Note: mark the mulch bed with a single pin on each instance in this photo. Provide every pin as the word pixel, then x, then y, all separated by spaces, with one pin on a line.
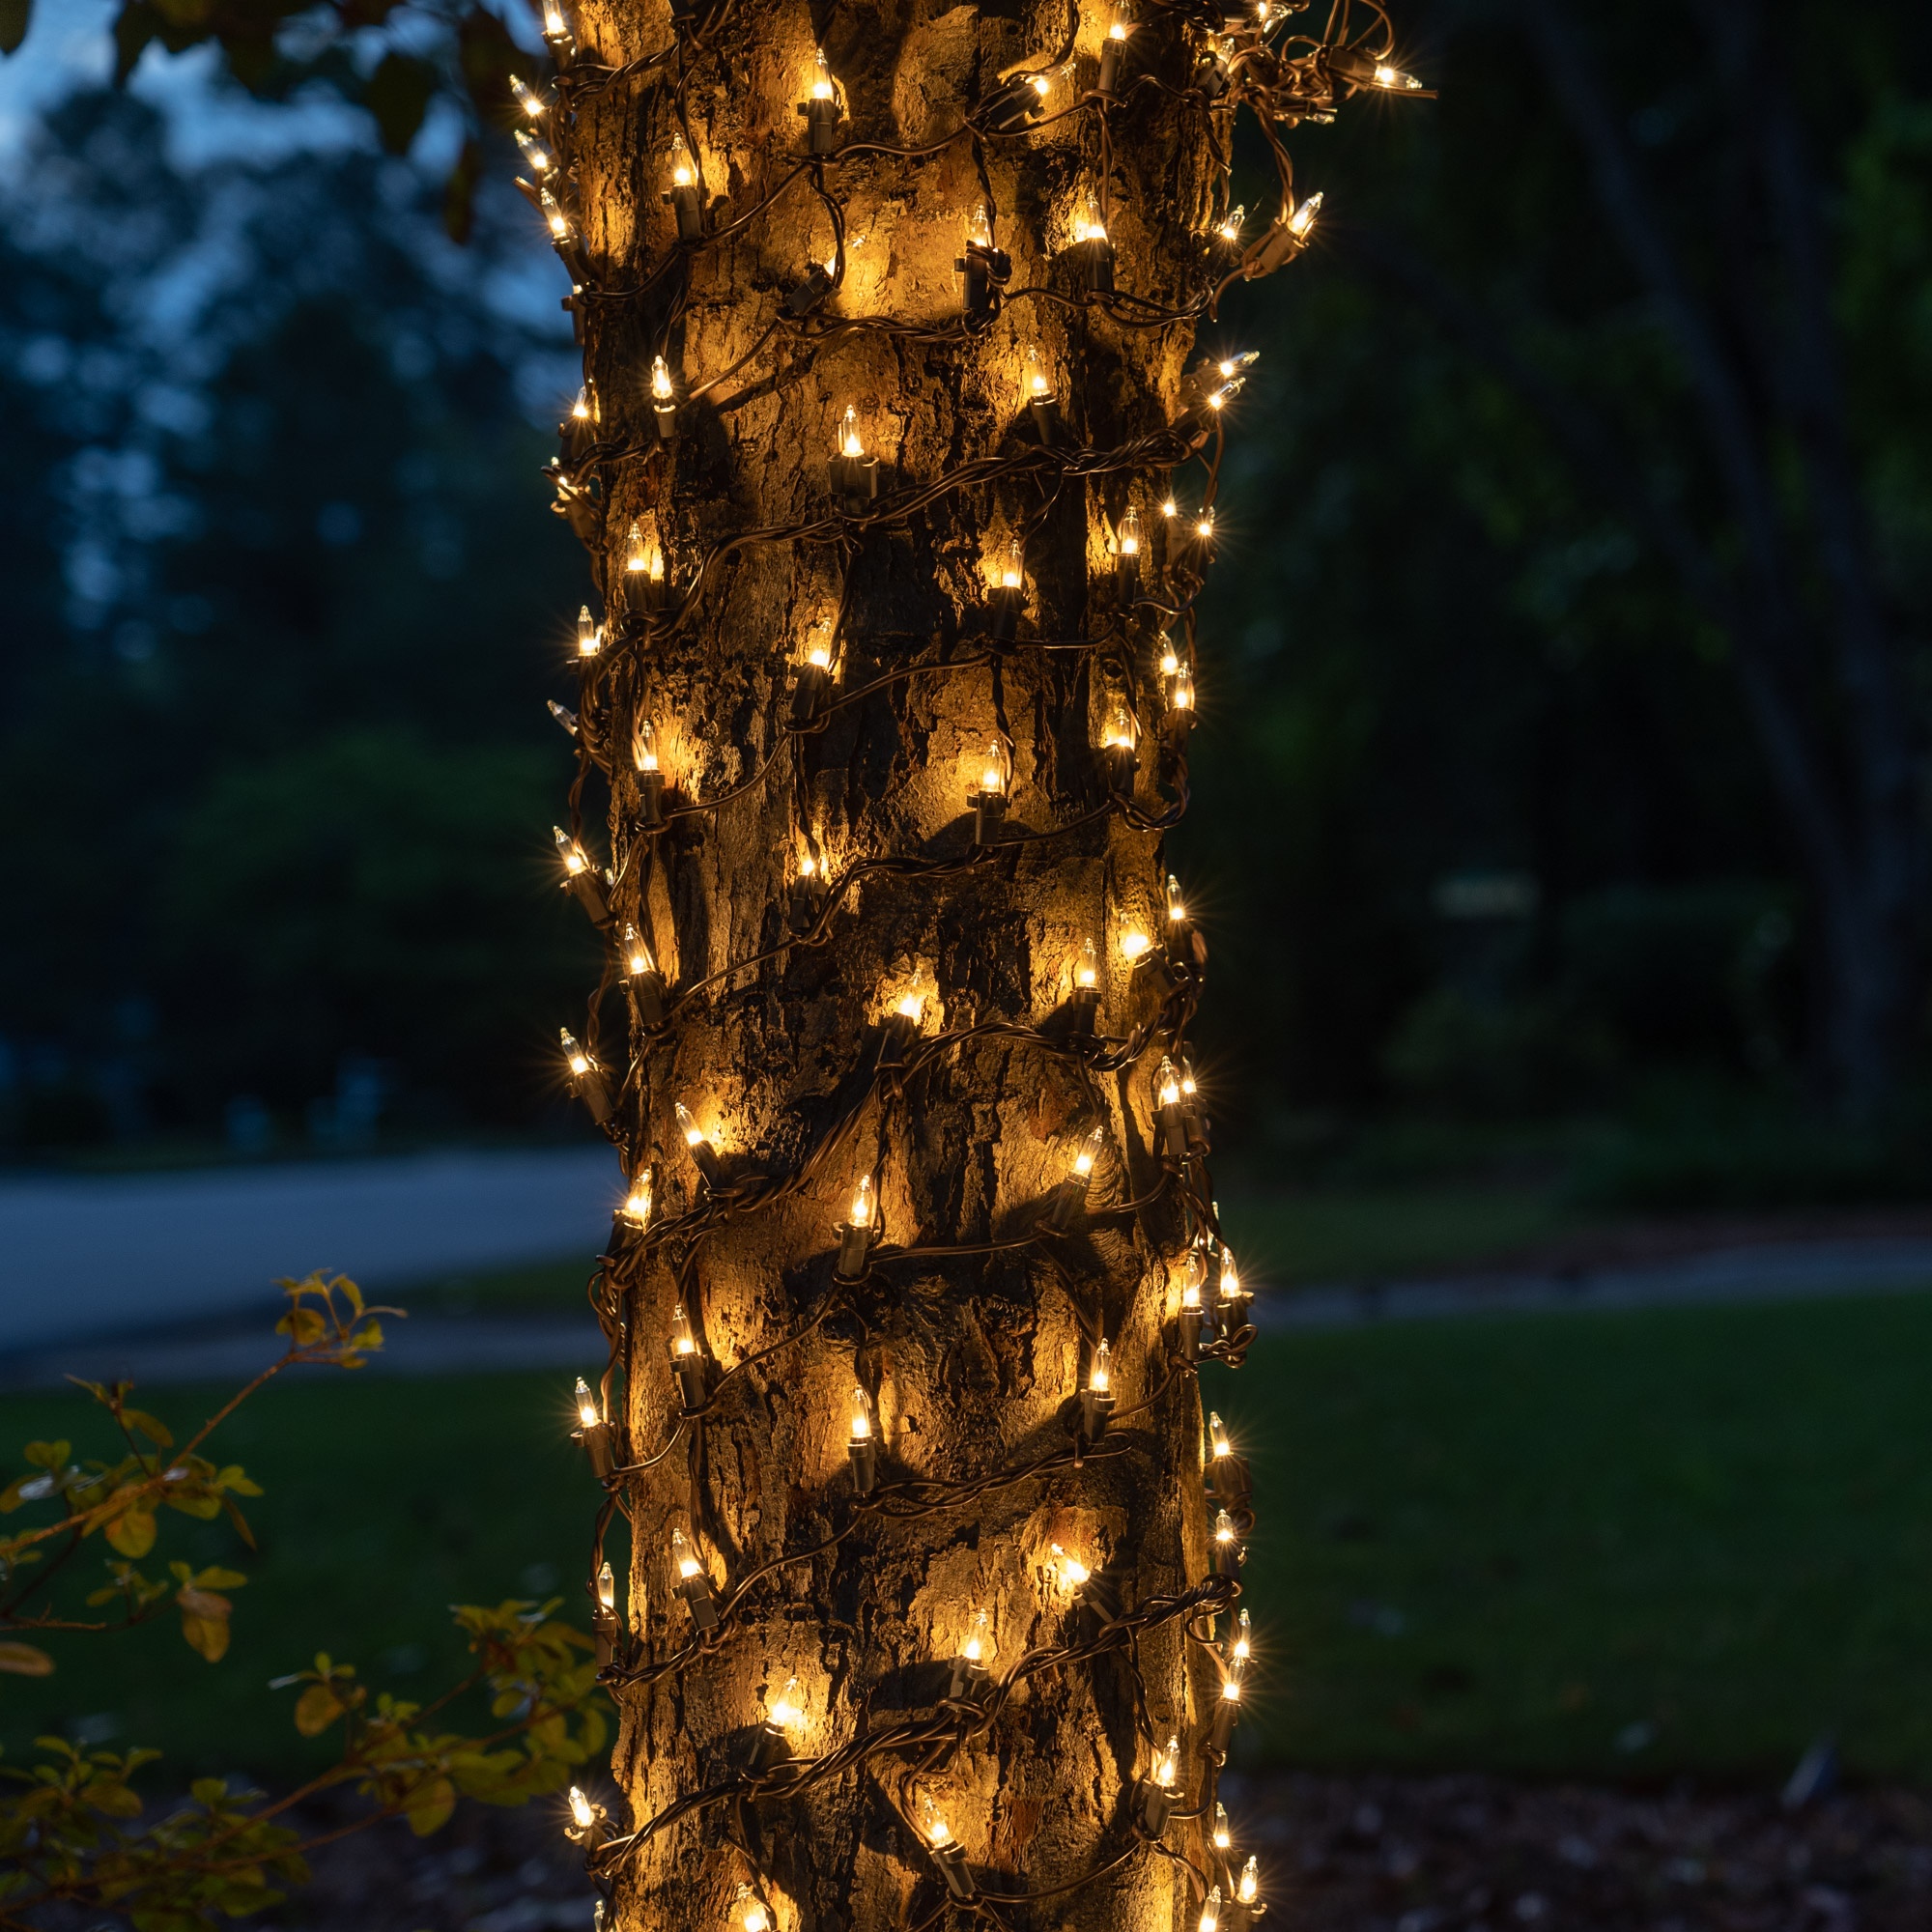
pixel 1368 1854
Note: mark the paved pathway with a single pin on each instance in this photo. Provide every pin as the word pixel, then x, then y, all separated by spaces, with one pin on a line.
pixel 101 1255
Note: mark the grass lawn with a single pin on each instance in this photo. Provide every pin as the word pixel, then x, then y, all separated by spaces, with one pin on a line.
pixel 1499 1543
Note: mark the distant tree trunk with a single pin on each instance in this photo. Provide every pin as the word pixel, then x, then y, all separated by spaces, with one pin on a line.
pixel 783 977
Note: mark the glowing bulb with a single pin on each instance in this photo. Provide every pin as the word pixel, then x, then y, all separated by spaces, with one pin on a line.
pixel 1176 907
pixel 1041 84
pixel 607 1588
pixel 645 745
pixel 1169 662
pixel 1181 696
pixel 1188 1089
pixel 589 640
pixel 587 1405
pixel 1167 1766
pixel 1217 1437
pixel 1302 221
pixel 693 1133
pixel 572 855
pixel 1073 1572
pixel 1086 971
pixel 1204 526
pixel 681 173
pixel 808 865
pixel 1120 731
pixel 1251 1882
pixel 559 222
pixel 636 1208
pixel 1243 1647
pixel 979 229
pixel 580 1813
pixel 1223 1836
pixel 1394 77
pixel 637 953
pixel 756 1917
pixel 1170 508
pixel 579 409
pixel 1168 1084
pixel 1130 535
pixel 849 443
pixel 938 1832
pixel 683 1555
pixel 1230 1276
pixel 1230 227
pixel 1037 388
pixel 1210 1912
pixel 1100 1378
pixel 978 1644
pixel 1087 225
pixel 635 556
pixel 529 101
pixel 993 778
pixel 661 385
pixel 787 1708
pixel 1224 1534
pixel 578 1062
pixel 821 81
pixel 1090 1152
pixel 862 1202
pixel 554 27
pixel 682 1340
pixel 1134 945
pixel 1011 573
pixel 861 1416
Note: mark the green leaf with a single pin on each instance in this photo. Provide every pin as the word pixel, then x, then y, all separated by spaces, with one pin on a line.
pixel 23 1659
pixel 398 95
pixel 15 14
pixel 431 1806
pixel 48 1455
pixel 156 1430
pixel 133 1531
pixel 316 1709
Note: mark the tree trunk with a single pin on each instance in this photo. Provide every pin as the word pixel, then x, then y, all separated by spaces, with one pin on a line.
pixel 819 863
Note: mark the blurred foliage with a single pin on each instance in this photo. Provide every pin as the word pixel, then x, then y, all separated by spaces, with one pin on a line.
pixel 73 1831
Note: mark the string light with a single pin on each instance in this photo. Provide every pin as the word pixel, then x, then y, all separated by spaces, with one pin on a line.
pixel 1239 1648
pixel 855 475
pixel 647 985
pixel 856 1234
pixel 1227 1707
pixel 899 1028
pixel 1301 223
pixel 1127 556
pixel 1210 1912
pixel 693 1584
pixel 644 571
pixel 783 1715
pixel 1228 1550
pixel 682 194
pixel 704 1155
pixel 1006 599
pixel 663 399
pixel 1153 1798
pixel 606 1626
pixel 686 1362
pixel 580 876
pixel 1016 103
pixel 650 776
pixel 594 1432
pixel 636 1208
pixel 529 102
pixel 1042 400
pixel 587 1823
pixel 1083 1004
pixel 1073 1574
pixel 755 1914
pixel 1071 1204
pixel 587 1079
pixel 1093 250
pixel 590 637
pixel 1234 1296
pixel 1193 1278
pixel 1112 50
pixel 972 1666
pixel 984 269
pixel 988 799
pixel 1117 754
pixel 862 1448
pixel 822 110
pixel 812 682
pixel 1097 1398
pixel 947 1854
pixel 565 717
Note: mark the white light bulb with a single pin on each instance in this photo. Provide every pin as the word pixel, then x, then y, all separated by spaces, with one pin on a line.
pixel 862 1202
pixel 821 79
pixel 1087 969
pixel 662 390
pixel 580 1812
pixel 587 1405
pixel 850 445
pixel 682 1554
pixel 1302 221
pixel 1101 1377
pixel 1134 945
pixel 861 1416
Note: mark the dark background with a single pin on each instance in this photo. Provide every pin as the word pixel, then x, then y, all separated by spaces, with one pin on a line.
pixel 1483 836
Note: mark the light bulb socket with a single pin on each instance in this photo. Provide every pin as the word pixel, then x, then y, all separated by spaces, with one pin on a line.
pixel 1153 1806
pixel 855 482
pixel 1083 1005
pixel 810 292
pixel 855 1251
pixel 1189 1325
pixel 650 800
pixel 1095 1407
pixel 704 1158
pixel 1118 762
pixel 1093 261
pixel 1279 245
pixel 896 1033
pixel 810 692
pixel 951 1859
pixel 1194 1123
pixel 591 1087
pixel 1230 1312
pixel 984 270
pixel 1221 1732
pixel 970 1679
pixel 1173 1127
pixel 769 1747
pixel 644 593
pixel 700 1599
pixel 1005 604
pixel 1070 1204
pixel 821 125
pixel 1108 80
pixel 589 892
pixel 989 817
pixel 691 1380
pixel 1210 79
pixel 577 437
pixel 1230 1483
pixel 864 1460
pixel 1046 423
pixel 1127 575
pixel 647 995
pixel 1012 107
pixel 600 1446
pixel 690 211
pixel 608 1633
pixel 1227 1562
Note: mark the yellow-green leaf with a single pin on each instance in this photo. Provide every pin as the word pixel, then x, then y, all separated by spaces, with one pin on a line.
pixel 132 1532
pixel 316 1709
pixel 23 1659
pixel 431 1806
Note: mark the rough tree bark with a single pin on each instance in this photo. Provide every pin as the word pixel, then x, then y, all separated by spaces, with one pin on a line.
pixel 820 865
